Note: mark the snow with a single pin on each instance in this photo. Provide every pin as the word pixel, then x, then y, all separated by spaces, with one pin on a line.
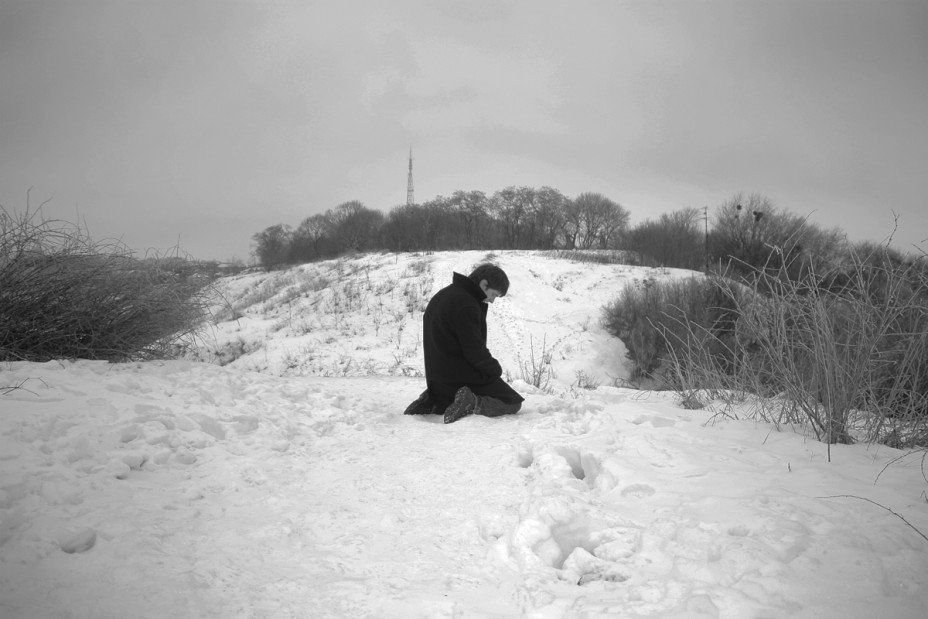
pixel 288 483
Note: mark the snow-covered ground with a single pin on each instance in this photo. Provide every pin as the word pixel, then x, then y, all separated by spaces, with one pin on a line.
pixel 287 483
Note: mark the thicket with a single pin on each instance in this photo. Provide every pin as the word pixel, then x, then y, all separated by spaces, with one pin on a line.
pixel 654 319
pixel 844 350
pixel 511 218
pixel 63 295
pixel 749 234
pixel 676 240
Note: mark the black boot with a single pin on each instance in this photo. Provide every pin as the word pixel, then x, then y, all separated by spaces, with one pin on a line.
pixel 421 406
pixel 465 403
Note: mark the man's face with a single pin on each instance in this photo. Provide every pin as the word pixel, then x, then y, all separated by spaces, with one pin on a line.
pixel 492 293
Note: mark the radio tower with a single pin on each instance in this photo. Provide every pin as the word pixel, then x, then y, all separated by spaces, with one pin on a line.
pixel 409 194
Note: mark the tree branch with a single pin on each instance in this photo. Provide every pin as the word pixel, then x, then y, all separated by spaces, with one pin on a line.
pixel 852 496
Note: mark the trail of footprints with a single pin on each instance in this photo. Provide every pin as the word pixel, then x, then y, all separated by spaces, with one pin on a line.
pixel 591 520
pixel 563 526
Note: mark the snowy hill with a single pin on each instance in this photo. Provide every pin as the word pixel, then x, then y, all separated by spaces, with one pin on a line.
pixel 363 316
pixel 287 483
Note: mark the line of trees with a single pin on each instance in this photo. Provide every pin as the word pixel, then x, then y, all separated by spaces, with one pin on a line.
pixel 745 233
pixel 511 218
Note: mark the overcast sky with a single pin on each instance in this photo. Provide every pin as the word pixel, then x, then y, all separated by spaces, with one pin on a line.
pixel 204 122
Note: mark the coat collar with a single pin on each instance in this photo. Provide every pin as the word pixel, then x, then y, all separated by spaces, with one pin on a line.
pixel 462 281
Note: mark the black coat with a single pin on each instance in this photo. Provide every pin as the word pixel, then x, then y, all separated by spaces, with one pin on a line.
pixel 454 340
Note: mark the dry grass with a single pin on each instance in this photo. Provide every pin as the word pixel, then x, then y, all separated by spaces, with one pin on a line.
pixel 844 352
pixel 848 349
pixel 597 256
pixel 537 370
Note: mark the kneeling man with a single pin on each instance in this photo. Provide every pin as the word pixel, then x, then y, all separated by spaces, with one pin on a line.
pixel 462 377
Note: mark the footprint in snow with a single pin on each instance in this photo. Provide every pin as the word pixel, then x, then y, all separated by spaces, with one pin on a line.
pixel 73 542
pixel 246 424
pixel 657 422
pixel 583 466
pixel 739 531
pixel 639 491
pixel 185 458
pixel 525 456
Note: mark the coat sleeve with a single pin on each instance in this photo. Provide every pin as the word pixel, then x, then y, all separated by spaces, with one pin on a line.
pixel 473 345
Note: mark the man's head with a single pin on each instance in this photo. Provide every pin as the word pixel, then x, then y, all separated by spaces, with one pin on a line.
pixel 491 279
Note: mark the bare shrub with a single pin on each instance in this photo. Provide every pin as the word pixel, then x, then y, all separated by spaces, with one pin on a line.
pixel 657 320
pixel 585 381
pixel 63 295
pixel 844 352
pixel 852 340
pixel 277 290
pixel 233 350
pixel 537 370
pixel 750 233
pixel 6 389
pixel 672 240
pixel 417 268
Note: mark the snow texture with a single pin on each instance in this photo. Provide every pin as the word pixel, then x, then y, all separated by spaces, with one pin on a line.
pixel 284 485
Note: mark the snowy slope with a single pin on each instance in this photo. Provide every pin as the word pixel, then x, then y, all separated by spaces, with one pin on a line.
pixel 191 489
pixel 363 316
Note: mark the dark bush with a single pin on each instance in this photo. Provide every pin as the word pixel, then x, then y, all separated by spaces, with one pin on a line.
pixel 750 234
pixel 673 240
pixel 845 351
pixel 63 295
pixel 658 320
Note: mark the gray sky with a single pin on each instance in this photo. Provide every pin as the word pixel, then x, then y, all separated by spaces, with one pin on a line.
pixel 205 122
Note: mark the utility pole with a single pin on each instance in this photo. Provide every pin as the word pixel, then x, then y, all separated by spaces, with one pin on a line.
pixel 705 210
pixel 410 200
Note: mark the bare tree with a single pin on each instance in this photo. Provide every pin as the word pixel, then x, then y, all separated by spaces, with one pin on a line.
pixel 355 227
pixel 597 220
pixel 550 212
pixel 471 207
pixel 309 239
pixel 509 205
pixel 432 225
pixel 272 245
pixel 572 224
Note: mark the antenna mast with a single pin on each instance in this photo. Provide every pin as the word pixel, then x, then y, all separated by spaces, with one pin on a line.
pixel 409 193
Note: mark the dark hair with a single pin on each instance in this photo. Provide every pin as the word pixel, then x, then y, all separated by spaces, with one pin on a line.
pixel 495 276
